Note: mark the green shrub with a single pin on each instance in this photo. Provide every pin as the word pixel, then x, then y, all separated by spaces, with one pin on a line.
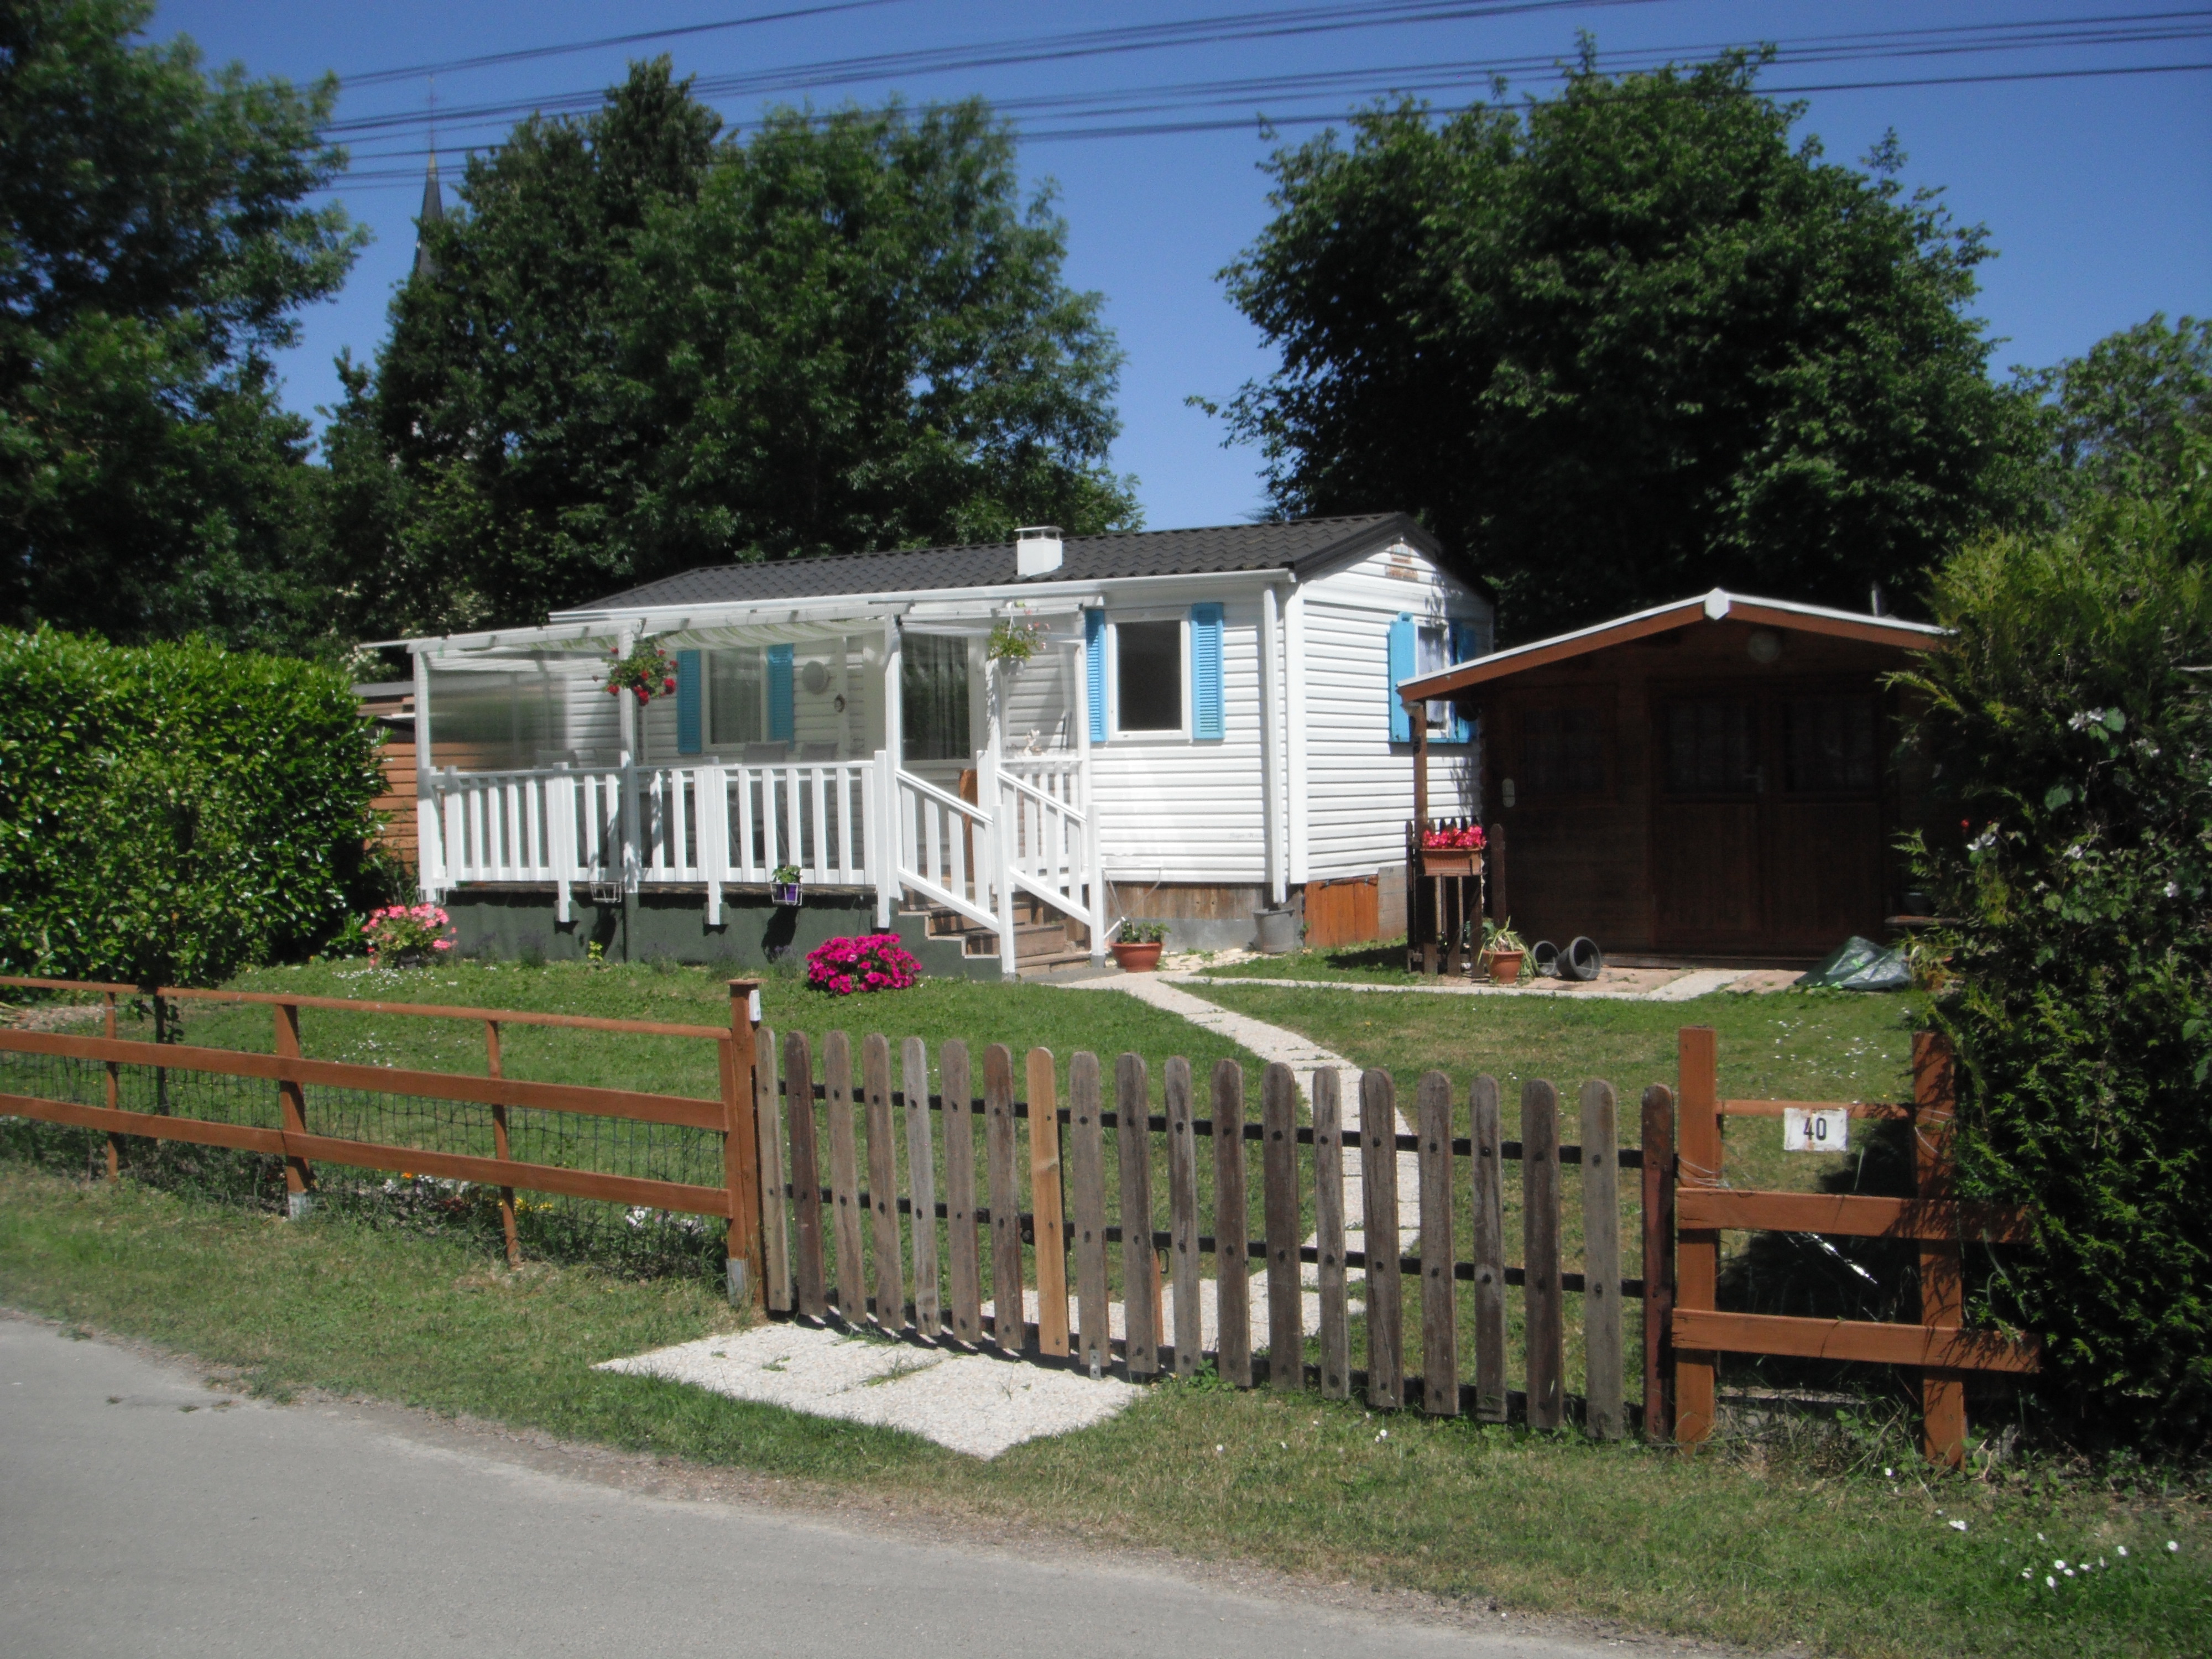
pixel 175 812
pixel 2074 747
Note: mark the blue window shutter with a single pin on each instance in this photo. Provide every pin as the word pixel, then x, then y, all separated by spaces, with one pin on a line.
pixel 1094 671
pixel 1466 642
pixel 780 721
pixel 1401 668
pixel 1206 716
pixel 687 703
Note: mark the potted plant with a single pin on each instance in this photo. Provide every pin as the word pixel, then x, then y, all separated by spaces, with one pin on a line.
pixel 1449 850
pixel 1503 949
pixel 1137 950
pixel 783 885
pixel 648 673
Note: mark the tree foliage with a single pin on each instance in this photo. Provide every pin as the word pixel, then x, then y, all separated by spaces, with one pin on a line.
pixel 1625 344
pixel 178 811
pixel 645 348
pixel 2129 415
pixel 2069 724
pixel 154 248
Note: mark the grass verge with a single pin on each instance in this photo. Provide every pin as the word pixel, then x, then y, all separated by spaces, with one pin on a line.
pixel 1799 1538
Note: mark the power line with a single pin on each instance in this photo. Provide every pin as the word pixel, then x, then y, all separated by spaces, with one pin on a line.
pixel 2068 33
pixel 489 59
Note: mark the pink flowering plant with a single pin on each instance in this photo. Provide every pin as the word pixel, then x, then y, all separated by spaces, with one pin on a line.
pixel 407 935
pixel 873 962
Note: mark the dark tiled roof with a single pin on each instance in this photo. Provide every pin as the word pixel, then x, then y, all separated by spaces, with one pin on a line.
pixel 1297 546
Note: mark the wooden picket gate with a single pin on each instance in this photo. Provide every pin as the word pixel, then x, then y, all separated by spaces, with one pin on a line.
pixel 1692 1205
pixel 857 1251
pixel 865 1246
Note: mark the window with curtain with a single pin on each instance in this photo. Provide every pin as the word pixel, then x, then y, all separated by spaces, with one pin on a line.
pixel 1148 675
pixel 933 707
pixel 1433 655
pixel 736 697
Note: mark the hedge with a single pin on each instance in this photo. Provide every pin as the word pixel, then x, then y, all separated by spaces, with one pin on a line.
pixel 2069 721
pixel 175 812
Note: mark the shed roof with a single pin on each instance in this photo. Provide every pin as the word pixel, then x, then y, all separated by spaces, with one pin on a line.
pixel 1719 605
pixel 1302 546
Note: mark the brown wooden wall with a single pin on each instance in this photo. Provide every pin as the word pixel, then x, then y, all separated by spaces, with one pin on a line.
pixel 1641 870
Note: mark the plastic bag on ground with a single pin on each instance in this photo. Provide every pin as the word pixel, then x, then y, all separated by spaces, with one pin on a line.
pixel 1859 965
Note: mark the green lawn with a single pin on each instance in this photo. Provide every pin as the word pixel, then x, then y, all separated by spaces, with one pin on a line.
pixel 1801 1541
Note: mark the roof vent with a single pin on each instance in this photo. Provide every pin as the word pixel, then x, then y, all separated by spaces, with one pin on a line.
pixel 1038 550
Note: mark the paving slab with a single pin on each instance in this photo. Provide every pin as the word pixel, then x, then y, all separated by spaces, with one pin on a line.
pixel 977 1403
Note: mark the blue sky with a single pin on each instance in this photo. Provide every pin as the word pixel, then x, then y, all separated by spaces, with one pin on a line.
pixel 2097 189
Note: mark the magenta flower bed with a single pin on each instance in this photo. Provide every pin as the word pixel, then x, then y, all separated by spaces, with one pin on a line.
pixel 873 962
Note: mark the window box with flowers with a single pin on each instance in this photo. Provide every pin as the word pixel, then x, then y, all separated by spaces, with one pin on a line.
pixel 1452 850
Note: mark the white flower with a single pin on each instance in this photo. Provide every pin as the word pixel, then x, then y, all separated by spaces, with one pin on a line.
pixel 1220 1449
pixel 2124 1549
pixel 2061 1565
pixel 2049 1582
pixel 1958 1526
pixel 2075 852
pixel 2172 1548
pixel 1889 1474
pixel 2174 890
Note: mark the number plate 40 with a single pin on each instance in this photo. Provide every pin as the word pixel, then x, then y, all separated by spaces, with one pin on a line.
pixel 1804 1130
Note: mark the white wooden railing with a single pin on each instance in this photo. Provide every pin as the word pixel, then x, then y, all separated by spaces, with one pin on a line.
pixel 1042 814
pixel 854 823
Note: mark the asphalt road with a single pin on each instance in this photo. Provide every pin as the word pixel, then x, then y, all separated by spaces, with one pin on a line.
pixel 138 1515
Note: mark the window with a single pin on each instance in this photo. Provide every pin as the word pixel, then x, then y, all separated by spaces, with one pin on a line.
pixel 1562 752
pixel 737 700
pixel 933 708
pixel 1433 655
pixel 1828 745
pixel 1711 749
pixel 1148 676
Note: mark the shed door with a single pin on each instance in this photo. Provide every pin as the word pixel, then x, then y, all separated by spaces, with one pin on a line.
pixel 1766 821
pixel 1705 853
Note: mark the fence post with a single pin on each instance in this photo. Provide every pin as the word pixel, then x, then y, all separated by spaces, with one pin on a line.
pixel 499 1147
pixel 741 1273
pixel 1602 1390
pixel 1942 1300
pixel 299 1179
pixel 1697 1261
pixel 114 1098
pixel 1542 1299
pixel 1658 1262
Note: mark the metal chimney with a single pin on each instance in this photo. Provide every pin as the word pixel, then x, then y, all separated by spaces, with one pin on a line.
pixel 1038 550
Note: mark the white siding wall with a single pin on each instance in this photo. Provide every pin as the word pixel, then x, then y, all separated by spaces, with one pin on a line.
pixel 1360 791
pixel 1175 811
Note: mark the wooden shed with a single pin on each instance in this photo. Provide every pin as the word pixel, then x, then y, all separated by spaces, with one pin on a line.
pixel 1712 779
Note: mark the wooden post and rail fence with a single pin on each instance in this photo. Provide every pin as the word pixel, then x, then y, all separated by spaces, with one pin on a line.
pixel 925 1190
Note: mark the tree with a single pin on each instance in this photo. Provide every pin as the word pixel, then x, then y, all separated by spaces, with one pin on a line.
pixel 644 348
pixel 1626 343
pixel 2122 416
pixel 154 251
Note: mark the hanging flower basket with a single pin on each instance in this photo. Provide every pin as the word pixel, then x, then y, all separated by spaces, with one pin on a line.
pixel 648 673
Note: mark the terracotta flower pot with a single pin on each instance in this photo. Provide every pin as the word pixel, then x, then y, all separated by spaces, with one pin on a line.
pixel 1138 958
pixel 1505 967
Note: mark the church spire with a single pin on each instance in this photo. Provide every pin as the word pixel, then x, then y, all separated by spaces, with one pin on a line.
pixel 434 212
pixel 434 202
